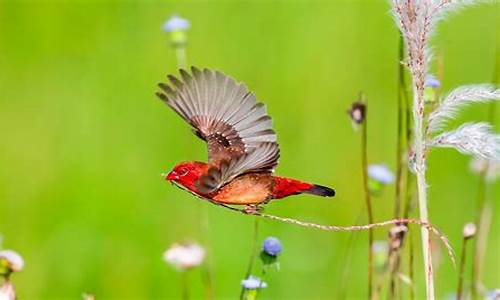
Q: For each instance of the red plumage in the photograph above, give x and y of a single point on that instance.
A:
(242, 147)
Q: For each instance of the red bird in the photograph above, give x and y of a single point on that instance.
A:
(242, 147)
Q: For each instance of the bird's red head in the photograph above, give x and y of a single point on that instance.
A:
(187, 173)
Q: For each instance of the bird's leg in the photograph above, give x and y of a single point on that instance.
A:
(252, 209)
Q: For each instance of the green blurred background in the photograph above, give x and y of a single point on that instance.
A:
(84, 141)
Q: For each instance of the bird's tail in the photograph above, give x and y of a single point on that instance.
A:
(320, 190)
(284, 187)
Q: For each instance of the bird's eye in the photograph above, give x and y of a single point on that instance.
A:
(183, 171)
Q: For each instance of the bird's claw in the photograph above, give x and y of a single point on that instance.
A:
(252, 209)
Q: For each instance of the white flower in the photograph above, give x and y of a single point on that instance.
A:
(176, 23)
(491, 168)
(380, 173)
(7, 291)
(184, 256)
(13, 261)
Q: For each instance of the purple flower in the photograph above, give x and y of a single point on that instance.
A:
(253, 283)
(272, 246)
(176, 23)
(432, 81)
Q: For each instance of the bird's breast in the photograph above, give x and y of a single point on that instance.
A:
(247, 189)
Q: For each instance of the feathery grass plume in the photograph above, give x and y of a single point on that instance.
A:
(471, 138)
(415, 20)
(459, 98)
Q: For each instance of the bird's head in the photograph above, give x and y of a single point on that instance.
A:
(186, 173)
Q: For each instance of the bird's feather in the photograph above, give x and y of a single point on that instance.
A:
(225, 114)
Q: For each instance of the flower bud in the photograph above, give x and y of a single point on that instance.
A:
(357, 112)
(396, 236)
(469, 230)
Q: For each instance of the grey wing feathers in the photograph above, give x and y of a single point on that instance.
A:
(226, 115)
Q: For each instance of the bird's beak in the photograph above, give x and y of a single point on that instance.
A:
(172, 176)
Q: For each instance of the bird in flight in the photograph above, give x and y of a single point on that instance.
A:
(242, 147)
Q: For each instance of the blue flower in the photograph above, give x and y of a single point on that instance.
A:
(176, 23)
(272, 246)
(432, 81)
(253, 283)
(380, 173)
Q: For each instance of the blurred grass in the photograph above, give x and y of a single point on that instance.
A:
(84, 140)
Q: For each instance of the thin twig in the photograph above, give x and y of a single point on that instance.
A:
(426, 225)
(364, 166)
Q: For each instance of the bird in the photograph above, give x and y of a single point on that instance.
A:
(242, 146)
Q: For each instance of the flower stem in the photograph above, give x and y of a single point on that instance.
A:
(185, 285)
(364, 166)
(400, 184)
(253, 253)
(482, 209)
(461, 270)
(347, 258)
(180, 54)
(399, 138)
(420, 168)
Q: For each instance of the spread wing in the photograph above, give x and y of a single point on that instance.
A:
(226, 115)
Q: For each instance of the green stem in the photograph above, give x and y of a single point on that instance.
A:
(364, 166)
(253, 253)
(481, 210)
(461, 270)
(399, 137)
(400, 186)
(180, 54)
(347, 258)
(184, 285)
